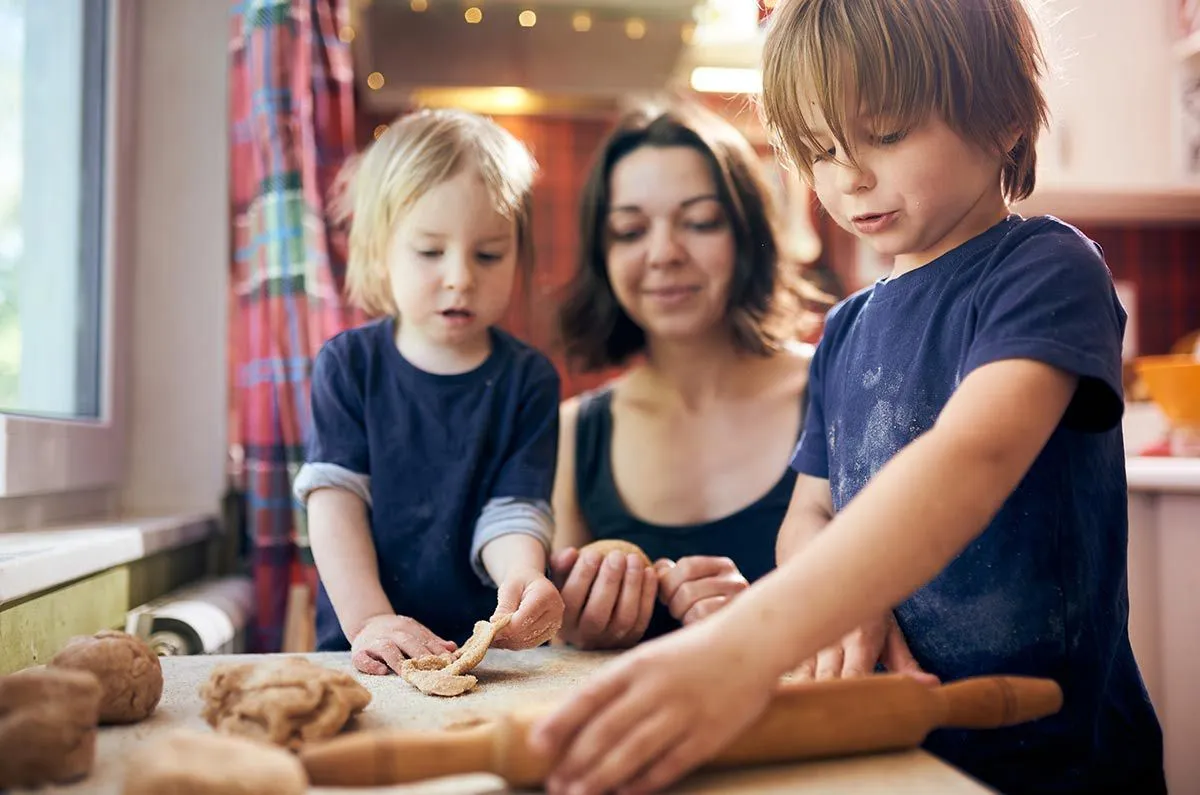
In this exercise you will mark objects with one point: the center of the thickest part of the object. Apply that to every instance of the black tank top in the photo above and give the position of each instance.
(747, 537)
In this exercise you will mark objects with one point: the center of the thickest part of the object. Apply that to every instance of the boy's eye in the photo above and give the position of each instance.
(828, 154)
(892, 138)
(429, 253)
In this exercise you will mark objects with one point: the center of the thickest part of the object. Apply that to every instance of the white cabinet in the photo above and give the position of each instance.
(1112, 150)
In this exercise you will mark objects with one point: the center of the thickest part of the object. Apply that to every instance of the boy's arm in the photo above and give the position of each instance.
(909, 523)
(345, 556)
(810, 509)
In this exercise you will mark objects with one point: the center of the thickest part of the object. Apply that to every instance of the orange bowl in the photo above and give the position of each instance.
(1173, 383)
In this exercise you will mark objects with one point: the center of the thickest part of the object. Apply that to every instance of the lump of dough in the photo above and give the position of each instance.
(48, 721)
(446, 674)
(288, 701)
(606, 545)
(128, 670)
(197, 763)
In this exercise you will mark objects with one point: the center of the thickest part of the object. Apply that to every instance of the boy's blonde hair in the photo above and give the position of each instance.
(977, 64)
(414, 154)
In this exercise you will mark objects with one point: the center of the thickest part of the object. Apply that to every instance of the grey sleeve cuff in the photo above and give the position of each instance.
(506, 515)
(330, 476)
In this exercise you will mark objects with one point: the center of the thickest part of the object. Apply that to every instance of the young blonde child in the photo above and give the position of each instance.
(434, 434)
(962, 459)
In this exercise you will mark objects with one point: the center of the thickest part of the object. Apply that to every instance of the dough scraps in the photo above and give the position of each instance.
(212, 764)
(287, 701)
(446, 674)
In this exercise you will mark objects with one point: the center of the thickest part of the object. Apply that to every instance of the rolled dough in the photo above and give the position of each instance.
(198, 763)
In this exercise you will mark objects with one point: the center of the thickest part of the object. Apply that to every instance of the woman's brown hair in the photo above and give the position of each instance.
(764, 306)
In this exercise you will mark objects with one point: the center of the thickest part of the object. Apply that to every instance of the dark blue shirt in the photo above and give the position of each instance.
(747, 537)
(437, 448)
(1042, 591)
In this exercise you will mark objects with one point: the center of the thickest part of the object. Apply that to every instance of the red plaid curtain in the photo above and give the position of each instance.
(292, 115)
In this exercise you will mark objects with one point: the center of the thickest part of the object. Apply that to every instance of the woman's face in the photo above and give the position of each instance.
(670, 245)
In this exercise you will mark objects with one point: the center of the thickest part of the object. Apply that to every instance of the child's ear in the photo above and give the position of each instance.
(1012, 137)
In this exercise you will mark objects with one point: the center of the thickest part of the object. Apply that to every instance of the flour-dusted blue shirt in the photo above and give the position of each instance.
(1043, 590)
(434, 450)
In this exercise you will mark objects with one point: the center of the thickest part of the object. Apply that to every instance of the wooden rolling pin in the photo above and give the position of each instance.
(808, 720)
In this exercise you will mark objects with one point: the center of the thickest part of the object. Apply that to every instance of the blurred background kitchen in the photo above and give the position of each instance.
(168, 271)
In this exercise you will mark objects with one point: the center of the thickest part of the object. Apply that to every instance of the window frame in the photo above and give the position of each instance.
(51, 456)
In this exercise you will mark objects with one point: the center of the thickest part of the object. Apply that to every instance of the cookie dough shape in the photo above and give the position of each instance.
(606, 545)
(446, 674)
(287, 702)
(129, 673)
(211, 764)
(48, 720)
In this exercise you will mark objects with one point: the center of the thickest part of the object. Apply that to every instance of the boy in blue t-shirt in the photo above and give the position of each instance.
(434, 434)
(962, 460)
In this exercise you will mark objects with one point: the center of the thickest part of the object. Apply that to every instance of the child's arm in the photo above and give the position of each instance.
(640, 723)
(810, 509)
(518, 563)
(345, 557)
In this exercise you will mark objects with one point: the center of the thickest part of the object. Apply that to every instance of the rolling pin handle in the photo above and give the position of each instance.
(989, 702)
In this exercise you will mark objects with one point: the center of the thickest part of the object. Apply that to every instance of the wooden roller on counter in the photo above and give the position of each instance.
(808, 720)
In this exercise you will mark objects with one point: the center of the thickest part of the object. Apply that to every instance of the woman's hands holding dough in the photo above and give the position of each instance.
(536, 608)
(386, 640)
(697, 586)
(655, 713)
(608, 599)
(858, 652)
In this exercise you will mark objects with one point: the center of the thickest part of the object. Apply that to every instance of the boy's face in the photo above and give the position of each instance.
(915, 194)
(451, 263)
(670, 245)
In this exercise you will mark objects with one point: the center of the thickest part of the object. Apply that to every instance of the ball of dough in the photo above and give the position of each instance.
(48, 723)
(128, 670)
(194, 763)
(606, 545)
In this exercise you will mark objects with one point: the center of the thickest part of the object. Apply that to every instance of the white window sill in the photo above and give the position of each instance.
(37, 560)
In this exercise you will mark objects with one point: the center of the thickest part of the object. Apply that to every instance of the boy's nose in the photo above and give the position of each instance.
(457, 275)
(854, 178)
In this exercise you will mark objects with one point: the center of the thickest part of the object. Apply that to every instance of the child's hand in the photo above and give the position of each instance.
(608, 600)
(385, 641)
(654, 714)
(536, 606)
(698, 585)
(858, 652)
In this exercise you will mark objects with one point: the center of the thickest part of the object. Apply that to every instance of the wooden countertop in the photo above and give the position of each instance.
(506, 680)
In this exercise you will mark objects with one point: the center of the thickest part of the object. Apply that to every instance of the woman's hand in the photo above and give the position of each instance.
(697, 586)
(859, 651)
(653, 714)
(608, 601)
(536, 608)
(385, 641)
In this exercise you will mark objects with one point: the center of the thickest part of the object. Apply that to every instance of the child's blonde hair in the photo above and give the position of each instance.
(414, 154)
(977, 64)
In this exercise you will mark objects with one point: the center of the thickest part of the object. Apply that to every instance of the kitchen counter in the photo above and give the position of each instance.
(506, 680)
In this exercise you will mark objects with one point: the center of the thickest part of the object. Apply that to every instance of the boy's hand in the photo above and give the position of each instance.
(536, 606)
(698, 585)
(654, 714)
(608, 601)
(857, 653)
(386, 640)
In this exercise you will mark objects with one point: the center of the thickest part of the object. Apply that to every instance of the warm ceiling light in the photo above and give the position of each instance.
(375, 81)
(527, 19)
(419, 5)
(687, 32)
(380, 130)
(473, 15)
(346, 34)
(722, 80)
(582, 22)
(635, 28)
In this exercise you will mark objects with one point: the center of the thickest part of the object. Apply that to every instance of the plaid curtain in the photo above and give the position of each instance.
(292, 116)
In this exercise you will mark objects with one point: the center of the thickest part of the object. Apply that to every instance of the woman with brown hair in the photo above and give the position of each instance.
(685, 454)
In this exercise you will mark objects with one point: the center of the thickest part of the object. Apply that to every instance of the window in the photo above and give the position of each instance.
(57, 426)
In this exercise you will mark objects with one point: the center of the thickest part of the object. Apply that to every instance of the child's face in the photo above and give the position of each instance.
(670, 245)
(451, 262)
(915, 195)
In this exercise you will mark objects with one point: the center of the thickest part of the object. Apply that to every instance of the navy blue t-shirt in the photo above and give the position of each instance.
(1042, 591)
(437, 448)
